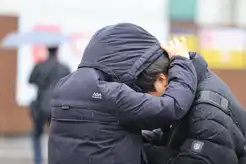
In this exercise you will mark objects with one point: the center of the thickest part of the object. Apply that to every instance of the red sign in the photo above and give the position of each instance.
(39, 52)
(79, 42)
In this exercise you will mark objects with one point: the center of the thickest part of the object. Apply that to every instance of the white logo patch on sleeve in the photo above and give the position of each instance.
(97, 95)
(197, 146)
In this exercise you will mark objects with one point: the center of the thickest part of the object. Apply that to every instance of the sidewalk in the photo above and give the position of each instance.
(19, 150)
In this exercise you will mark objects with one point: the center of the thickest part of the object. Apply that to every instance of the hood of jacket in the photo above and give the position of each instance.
(200, 65)
(122, 51)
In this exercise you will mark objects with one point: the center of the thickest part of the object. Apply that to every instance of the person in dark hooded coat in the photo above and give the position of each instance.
(98, 111)
(213, 132)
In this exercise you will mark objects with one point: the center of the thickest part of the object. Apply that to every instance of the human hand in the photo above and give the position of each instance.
(176, 47)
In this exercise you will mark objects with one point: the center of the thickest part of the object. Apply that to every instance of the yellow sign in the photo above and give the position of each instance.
(223, 48)
(224, 60)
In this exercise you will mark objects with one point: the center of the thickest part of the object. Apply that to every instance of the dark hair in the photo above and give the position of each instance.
(52, 51)
(148, 77)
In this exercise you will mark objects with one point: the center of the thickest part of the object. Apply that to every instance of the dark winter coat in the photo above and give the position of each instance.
(208, 134)
(96, 119)
(45, 75)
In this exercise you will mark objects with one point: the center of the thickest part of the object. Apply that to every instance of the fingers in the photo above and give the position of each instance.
(170, 44)
(176, 41)
(176, 47)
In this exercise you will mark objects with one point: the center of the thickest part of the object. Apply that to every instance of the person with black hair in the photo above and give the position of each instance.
(214, 130)
(154, 79)
(99, 111)
(44, 76)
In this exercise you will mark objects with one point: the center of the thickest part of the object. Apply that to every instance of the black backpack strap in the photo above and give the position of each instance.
(215, 99)
(219, 101)
(222, 103)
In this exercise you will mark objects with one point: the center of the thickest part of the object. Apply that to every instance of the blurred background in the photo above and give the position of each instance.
(215, 28)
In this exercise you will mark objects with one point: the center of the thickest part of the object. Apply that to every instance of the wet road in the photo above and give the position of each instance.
(18, 150)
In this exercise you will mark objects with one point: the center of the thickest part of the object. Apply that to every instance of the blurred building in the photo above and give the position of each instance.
(216, 28)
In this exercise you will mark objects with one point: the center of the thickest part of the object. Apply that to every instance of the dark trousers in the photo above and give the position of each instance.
(38, 128)
(39, 120)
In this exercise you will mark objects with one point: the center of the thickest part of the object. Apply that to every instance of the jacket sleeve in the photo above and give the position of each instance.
(150, 112)
(210, 137)
(195, 151)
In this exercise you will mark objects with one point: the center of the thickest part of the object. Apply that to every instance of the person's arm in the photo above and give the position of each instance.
(33, 79)
(209, 138)
(150, 112)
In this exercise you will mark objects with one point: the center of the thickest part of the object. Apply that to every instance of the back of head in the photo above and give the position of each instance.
(53, 51)
(148, 77)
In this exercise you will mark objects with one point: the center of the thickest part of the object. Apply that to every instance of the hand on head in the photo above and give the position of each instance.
(176, 47)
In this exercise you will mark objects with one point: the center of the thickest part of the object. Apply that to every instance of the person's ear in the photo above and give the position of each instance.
(162, 78)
